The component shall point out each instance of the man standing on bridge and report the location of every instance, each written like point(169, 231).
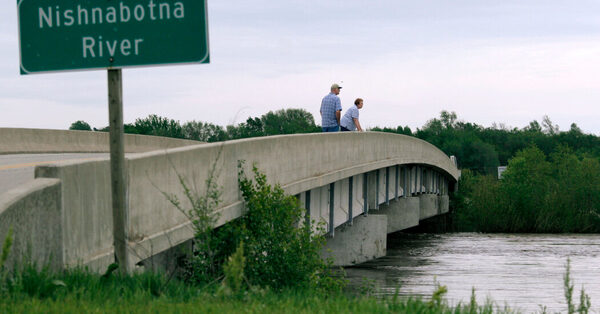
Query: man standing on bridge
point(331, 110)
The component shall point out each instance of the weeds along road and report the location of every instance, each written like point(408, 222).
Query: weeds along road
point(19, 168)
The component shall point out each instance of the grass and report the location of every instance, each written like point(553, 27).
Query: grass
point(264, 302)
point(31, 290)
point(78, 290)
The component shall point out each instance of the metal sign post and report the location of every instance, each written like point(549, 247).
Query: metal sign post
point(117, 166)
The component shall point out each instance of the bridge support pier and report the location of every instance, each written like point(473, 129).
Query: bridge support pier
point(365, 240)
point(429, 205)
point(401, 214)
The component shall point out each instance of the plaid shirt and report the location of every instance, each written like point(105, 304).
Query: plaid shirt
point(330, 104)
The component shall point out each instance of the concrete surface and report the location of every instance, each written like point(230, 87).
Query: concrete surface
point(86, 209)
point(33, 212)
point(402, 214)
point(365, 240)
point(444, 204)
point(429, 206)
point(19, 169)
point(23, 141)
point(299, 163)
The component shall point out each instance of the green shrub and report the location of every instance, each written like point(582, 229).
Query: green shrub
point(269, 240)
point(233, 270)
point(280, 251)
point(207, 257)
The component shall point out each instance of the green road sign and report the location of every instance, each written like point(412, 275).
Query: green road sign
point(58, 35)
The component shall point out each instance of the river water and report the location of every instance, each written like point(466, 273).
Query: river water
point(522, 271)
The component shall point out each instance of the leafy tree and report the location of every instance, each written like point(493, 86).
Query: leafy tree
point(80, 125)
point(533, 127)
point(284, 121)
point(159, 126)
point(203, 131)
point(288, 121)
point(549, 127)
point(536, 194)
point(253, 127)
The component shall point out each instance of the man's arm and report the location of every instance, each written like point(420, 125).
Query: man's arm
point(338, 114)
point(357, 124)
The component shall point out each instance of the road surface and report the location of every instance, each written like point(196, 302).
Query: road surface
point(18, 169)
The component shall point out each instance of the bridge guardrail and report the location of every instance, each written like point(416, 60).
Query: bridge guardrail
point(22, 141)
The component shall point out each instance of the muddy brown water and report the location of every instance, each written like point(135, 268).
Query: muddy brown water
point(523, 271)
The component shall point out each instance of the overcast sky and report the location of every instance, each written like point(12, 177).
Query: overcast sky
point(500, 61)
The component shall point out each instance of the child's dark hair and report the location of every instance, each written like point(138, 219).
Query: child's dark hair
point(358, 101)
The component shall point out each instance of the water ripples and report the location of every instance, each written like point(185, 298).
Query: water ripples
point(521, 270)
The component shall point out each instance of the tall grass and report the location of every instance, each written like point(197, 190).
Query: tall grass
point(79, 290)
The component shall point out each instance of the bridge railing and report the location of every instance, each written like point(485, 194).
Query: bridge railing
point(29, 141)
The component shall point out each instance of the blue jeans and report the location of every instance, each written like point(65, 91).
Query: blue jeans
point(331, 128)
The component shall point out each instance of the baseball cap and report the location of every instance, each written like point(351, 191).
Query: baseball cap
point(335, 86)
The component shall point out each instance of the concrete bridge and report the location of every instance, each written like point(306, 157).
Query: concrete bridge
point(361, 185)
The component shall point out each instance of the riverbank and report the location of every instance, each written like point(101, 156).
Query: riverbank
point(525, 271)
point(422, 273)
point(80, 291)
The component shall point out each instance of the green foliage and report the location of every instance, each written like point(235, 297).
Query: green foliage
point(207, 257)
point(284, 121)
point(536, 194)
point(584, 299)
point(85, 292)
point(367, 287)
point(281, 252)
point(482, 149)
point(159, 126)
point(109, 270)
point(34, 282)
point(30, 282)
point(6, 246)
point(398, 130)
point(288, 121)
point(438, 295)
point(80, 125)
point(80, 290)
point(203, 131)
point(267, 246)
point(233, 270)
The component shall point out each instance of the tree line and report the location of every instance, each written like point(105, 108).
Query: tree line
point(480, 149)
point(551, 184)
point(284, 121)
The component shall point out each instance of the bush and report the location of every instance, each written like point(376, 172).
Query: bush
point(268, 246)
point(281, 252)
